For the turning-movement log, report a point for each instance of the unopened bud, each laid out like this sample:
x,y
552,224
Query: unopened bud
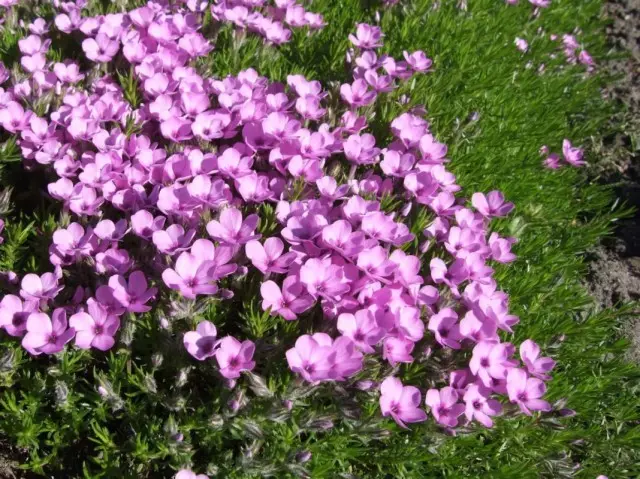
x,y
216,421
303,456
150,384
183,376
157,359
61,393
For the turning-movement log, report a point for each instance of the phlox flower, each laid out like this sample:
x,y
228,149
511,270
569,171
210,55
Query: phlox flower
x,y
203,342
234,357
94,328
401,402
14,313
445,406
46,334
526,392
289,302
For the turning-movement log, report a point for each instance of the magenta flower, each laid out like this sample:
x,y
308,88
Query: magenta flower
x,y
340,237
367,37
288,303
173,240
192,274
134,293
40,288
14,314
400,402
491,361
397,350
362,328
361,149
269,258
189,474
552,161
445,328
357,94
109,231
572,155
521,44
445,406
375,263
144,224
95,328
311,359
323,278
536,366
74,242
479,406
418,61
47,335
492,204
203,342
101,49
232,229
234,357
526,392
13,117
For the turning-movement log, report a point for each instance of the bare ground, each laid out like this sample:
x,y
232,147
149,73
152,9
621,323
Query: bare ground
x,y
614,275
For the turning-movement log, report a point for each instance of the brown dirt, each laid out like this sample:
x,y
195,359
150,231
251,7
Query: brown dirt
x,y
614,276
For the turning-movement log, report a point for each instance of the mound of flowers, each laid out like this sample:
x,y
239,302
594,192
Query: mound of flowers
x,y
184,190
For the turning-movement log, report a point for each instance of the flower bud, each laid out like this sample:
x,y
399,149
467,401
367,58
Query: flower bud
x,y
303,456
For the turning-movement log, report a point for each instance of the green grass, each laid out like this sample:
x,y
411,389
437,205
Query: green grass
x,y
49,409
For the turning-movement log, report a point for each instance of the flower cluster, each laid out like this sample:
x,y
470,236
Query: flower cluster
x,y
169,193
571,155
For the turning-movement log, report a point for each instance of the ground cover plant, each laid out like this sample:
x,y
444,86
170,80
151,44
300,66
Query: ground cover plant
x,y
256,240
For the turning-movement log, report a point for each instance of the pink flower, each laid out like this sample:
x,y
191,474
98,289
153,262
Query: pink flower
x,y
418,61
232,229
397,350
134,293
312,360
367,37
526,392
14,314
234,357
144,224
288,303
445,327
491,361
173,240
340,237
357,94
189,474
552,161
493,204
110,231
47,335
572,155
479,406
101,49
445,406
40,288
95,328
269,258
192,274
536,366
521,45
202,343
322,278
362,328
361,149
400,402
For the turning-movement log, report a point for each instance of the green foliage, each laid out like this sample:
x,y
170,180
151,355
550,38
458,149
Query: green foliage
x,y
147,410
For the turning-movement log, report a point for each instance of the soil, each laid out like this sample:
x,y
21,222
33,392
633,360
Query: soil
x,y
614,272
